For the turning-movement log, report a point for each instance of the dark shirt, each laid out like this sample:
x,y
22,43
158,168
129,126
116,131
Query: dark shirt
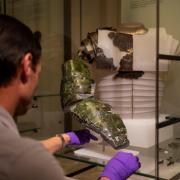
x,y
23,158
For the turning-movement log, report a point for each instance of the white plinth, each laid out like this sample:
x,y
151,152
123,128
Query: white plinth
x,y
95,151
141,132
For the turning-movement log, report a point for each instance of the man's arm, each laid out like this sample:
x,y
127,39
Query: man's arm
x,y
56,143
104,178
71,138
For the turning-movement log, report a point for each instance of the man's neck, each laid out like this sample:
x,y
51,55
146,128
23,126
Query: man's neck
x,y
8,100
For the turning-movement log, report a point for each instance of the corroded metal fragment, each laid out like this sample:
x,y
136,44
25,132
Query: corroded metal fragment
x,y
113,50
126,63
98,117
102,62
76,89
90,51
89,47
76,83
122,41
75,68
132,28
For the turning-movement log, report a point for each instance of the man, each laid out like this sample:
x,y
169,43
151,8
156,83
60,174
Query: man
x,y
22,158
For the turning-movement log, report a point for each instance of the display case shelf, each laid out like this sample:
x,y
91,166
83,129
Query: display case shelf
x,y
170,120
45,95
168,57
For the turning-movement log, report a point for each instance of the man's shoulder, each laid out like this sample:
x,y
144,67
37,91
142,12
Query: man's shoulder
x,y
14,147
14,144
21,157
36,163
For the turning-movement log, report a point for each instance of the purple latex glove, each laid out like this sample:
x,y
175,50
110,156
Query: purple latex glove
x,y
81,137
121,166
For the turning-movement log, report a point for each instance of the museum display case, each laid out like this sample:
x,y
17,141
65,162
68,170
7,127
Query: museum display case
x,y
142,88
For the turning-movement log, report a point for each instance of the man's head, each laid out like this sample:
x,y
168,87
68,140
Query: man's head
x,y
20,53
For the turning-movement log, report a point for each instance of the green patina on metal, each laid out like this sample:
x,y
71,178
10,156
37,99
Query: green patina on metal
x,y
77,91
76,83
98,117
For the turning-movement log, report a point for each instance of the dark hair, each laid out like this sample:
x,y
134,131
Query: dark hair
x,y
16,39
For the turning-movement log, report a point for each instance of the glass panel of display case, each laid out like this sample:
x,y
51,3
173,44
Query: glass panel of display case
x,y
169,151
126,96
143,11
168,22
169,155
143,89
88,16
46,17
45,116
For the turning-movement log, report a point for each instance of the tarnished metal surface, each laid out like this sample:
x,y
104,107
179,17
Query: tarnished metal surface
x,y
88,49
76,83
74,68
132,28
122,39
76,88
98,117
123,42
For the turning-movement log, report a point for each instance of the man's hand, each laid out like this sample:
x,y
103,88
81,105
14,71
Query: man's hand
x,y
121,166
80,137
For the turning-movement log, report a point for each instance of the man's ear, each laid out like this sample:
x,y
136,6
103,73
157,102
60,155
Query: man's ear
x,y
26,67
